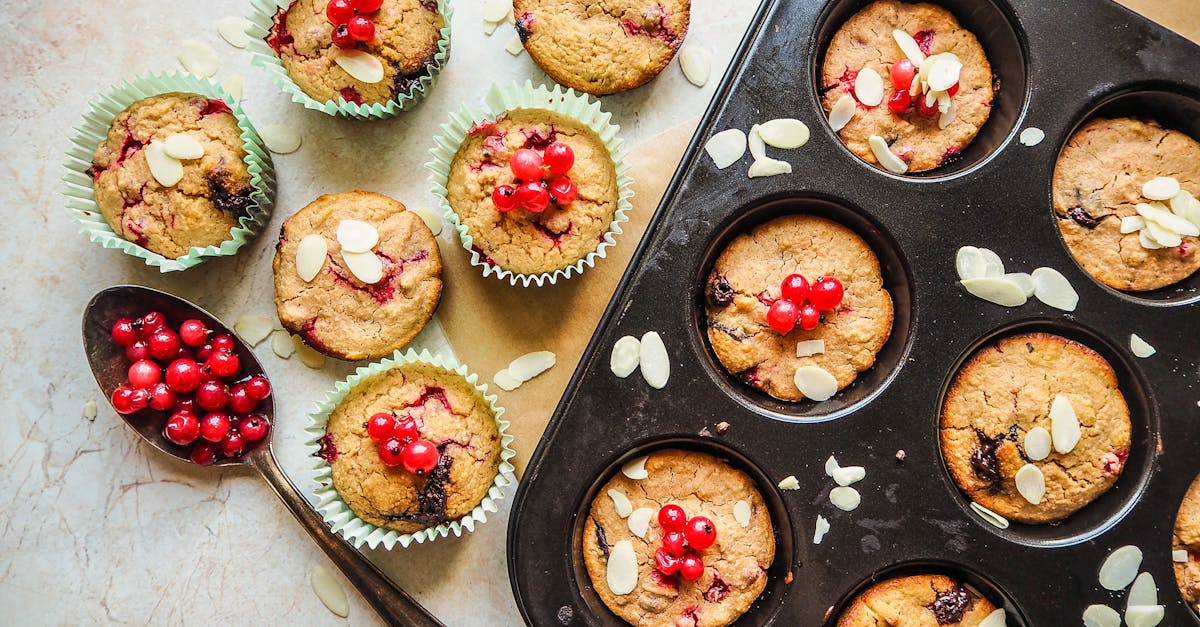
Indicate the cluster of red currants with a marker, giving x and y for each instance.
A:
(802, 304)
(543, 178)
(682, 540)
(187, 373)
(400, 443)
(350, 22)
(904, 72)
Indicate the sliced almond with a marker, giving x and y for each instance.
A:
(1052, 288)
(1032, 136)
(726, 148)
(515, 46)
(815, 383)
(886, 157)
(868, 87)
(1145, 615)
(310, 256)
(1038, 444)
(970, 263)
(281, 344)
(1139, 347)
(784, 133)
(639, 521)
(1101, 616)
(620, 503)
(91, 410)
(496, 10)
(808, 348)
(281, 139)
(915, 88)
(165, 169)
(848, 475)
(996, 520)
(820, 529)
(1000, 291)
(996, 619)
(948, 116)
(198, 58)
(1159, 213)
(329, 591)
(1024, 280)
(622, 575)
(233, 30)
(307, 354)
(654, 361)
(360, 65)
(789, 483)
(845, 498)
(944, 72)
(995, 265)
(489, 28)
(357, 236)
(908, 46)
(1132, 224)
(1031, 483)
(758, 147)
(1064, 424)
(696, 63)
(1160, 188)
(431, 218)
(1120, 568)
(831, 466)
(233, 86)
(626, 354)
(741, 513)
(365, 267)
(1181, 203)
(842, 112)
(1147, 240)
(183, 146)
(1143, 591)
(531, 365)
(635, 468)
(506, 381)
(1179, 556)
(769, 167)
(253, 329)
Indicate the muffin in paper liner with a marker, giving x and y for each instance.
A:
(337, 512)
(262, 17)
(93, 130)
(516, 96)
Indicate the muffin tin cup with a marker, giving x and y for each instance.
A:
(337, 513)
(262, 16)
(516, 96)
(92, 131)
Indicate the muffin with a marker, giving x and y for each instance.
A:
(542, 239)
(1098, 181)
(1009, 389)
(339, 312)
(199, 210)
(1187, 539)
(602, 48)
(917, 601)
(746, 281)
(449, 413)
(922, 141)
(406, 40)
(734, 566)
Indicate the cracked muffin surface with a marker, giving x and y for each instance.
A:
(866, 40)
(449, 412)
(735, 567)
(338, 314)
(602, 47)
(204, 206)
(917, 601)
(1005, 390)
(1098, 180)
(746, 279)
(407, 33)
(1187, 538)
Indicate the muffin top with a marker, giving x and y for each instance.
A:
(338, 312)
(520, 240)
(450, 412)
(602, 48)
(1187, 539)
(407, 33)
(917, 601)
(200, 209)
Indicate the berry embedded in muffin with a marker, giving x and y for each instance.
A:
(171, 175)
(917, 601)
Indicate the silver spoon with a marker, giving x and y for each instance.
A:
(109, 366)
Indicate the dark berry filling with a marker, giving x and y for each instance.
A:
(278, 37)
(764, 297)
(535, 139)
(525, 26)
(431, 500)
(350, 94)
(214, 107)
(718, 292)
(984, 461)
(308, 333)
(223, 195)
(952, 154)
(924, 41)
(751, 378)
(1083, 218)
(556, 237)
(486, 259)
(951, 605)
(1185, 249)
(602, 540)
(665, 581)
(328, 450)
(692, 613)
(1114, 462)
(717, 590)
(431, 392)
(736, 334)
(404, 83)
(658, 30)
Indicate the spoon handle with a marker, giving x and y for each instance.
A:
(394, 606)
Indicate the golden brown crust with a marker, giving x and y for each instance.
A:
(1187, 538)
(913, 601)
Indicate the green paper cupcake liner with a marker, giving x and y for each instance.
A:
(500, 99)
(338, 514)
(93, 130)
(262, 17)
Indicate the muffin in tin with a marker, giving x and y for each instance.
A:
(1187, 540)
(917, 601)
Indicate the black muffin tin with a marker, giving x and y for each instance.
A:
(1058, 64)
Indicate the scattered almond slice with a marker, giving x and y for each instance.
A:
(849, 475)
(365, 267)
(281, 139)
(635, 468)
(1064, 424)
(1139, 347)
(845, 498)
(831, 466)
(620, 503)
(432, 219)
(329, 591)
(233, 30)
(784, 133)
(996, 619)
(1160, 188)
(198, 58)
(233, 86)
(1101, 616)
(1031, 483)
(307, 354)
(1145, 615)
(515, 46)
(999, 291)
(253, 329)
(741, 513)
(531, 365)
(970, 263)
(769, 167)
(1132, 224)
(995, 265)
(909, 46)
(1052, 288)
(1038, 444)
(360, 65)
(1022, 279)
(496, 10)
(820, 529)
(310, 256)
(489, 28)
(626, 354)
(1156, 212)
(505, 381)
(868, 87)
(183, 146)
(167, 170)
(1032, 136)
(948, 116)
(944, 72)
(1179, 556)
(1143, 591)
(91, 410)
(726, 148)
(357, 236)
(886, 157)
(815, 383)
(622, 572)
(281, 344)
(696, 63)
(996, 520)
(789, 483)
(808, 348)
(1120, 568)
(654, 361)
(758, 147)
(639, 521)
(842, 112)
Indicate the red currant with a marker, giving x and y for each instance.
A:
(505, 198)
(795, 288)
(233, 444)
(361, 28)
(254, 427)
(405, 428)
(953, 90)
(186, 403)
(214, 426)
(826, 294)
(419, 457)
(367, 6)
(926, 111)
(526, 164)
(223, 341)
(675, 543)
(691, 567)
(240, 401)
(163, 344)
(390, 452)
(204, 453)
(182, 428)
(124, 333)
(144, 373)
(341, 37)
(204, 352)
(533, 196)
(223, 363)
(184, 375)
(782, 316)
(258, 387)
(672, 518)
(700, 532)
(151, 322)
(212, 396)
(193, 332)
(381, 426)
(564, 190)
(810, 317)
(666, 563)
(900, 101)
(162, 397)
(127, 399)
(559, 158)
(339, 11)
(903, 72)
(137, 351)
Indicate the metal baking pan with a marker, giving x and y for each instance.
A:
(1058, 65)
